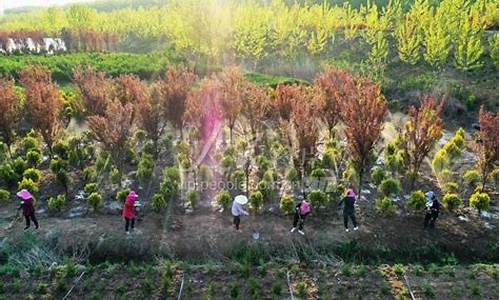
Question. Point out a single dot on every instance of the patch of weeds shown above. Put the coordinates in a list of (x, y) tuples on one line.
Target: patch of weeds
[(2, 287), (295, 270), (475, 289), (428, 290), (433, 269), (385, 288), (121, 288), (360, 270), (418, 269), (234, 290), (276, 288), (61, 285), (255, 289), (398, 269), (146, 286), (340, 290), (449, 270), (16, 285), (41, 288), (301, 288), (345, 269), (244, 270)]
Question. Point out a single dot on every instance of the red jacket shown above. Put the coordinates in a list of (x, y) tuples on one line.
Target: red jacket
[(128, 208)]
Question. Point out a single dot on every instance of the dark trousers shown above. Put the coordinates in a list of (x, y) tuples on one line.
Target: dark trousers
[(33, 218), (236, 222), (430, 219), (298, 219), (129, 222), (347, 215)]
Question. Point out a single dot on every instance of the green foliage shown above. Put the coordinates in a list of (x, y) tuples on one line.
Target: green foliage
[(287, 205), (193, 198), (493, 43), (94, 200), (451, 201), (292, 175), (19, 165), (61, 149), (437, 45), (481, 201), (57, 202), (378, 174), (28, 184), (145, 168), (102, 162), (4, 195), (33, 174), (158, 202), (417, 201), (408, 40), (389, 186), (30, 143), (57, 165), (471, 177), (34, 158), (90, 188), (468, 47), (385, 206), (170, 183), (238, 179), (318, 198), (318, 173), (121, 195), (329, 158), (223, 198), (8, 176), (204, 173), (451, 187), (114, 176), (89, 174), (256, 201), (265, 188)]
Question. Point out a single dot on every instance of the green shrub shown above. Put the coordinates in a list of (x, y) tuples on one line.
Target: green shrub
[(292, 175), (57, 202), (145, 168), (94, 200), (318, 173), (204, 173), (4, 195), (451, 201), (378, 174), (58, 164), (472, 177), (238, 179), (451, 187), (158, 202), (114, 176), (28, 184), (19, 165), (287, 205), (60, 149), (329, 158), (385, 206), (445, 175), (417, 201), (256, 201), (33, 174), (318, 198), (121, 195), (481, 201), (193, 198), (102, 162), (8, 176), (440, 160), (90, 188), (30, 143), (33, 158), (223, 198), (264, 187), (389, 186), (170, 183), (89, 174)]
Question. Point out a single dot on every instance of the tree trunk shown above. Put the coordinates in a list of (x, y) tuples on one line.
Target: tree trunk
[(360, 183)]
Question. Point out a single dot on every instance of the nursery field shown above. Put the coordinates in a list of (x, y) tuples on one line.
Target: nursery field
[(123, 153)]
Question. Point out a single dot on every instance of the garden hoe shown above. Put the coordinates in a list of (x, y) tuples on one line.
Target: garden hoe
[(14, 221)]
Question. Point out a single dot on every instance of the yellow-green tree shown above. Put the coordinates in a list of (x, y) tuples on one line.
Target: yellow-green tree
[(408, 40), (493, 42), (468, 48)]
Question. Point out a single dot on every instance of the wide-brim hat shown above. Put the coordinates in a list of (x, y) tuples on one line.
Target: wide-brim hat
[(24, 194), (133, 195), (241, 199), (351, 193)]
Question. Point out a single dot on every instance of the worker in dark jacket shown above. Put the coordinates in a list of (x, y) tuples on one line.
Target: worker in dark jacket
[(349, 212), (27, 207), (433, 207)]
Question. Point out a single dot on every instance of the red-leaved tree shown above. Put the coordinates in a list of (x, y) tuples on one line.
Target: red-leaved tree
[(175, 88), (9, 111), (330, 83), (151, 115), (94, 88), (486, 147), (43, 102), (233, 90), (422, 131), (113, 130), (363, 111), (282, 108)]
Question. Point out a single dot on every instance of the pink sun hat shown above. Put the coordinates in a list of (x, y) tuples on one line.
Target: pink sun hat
[(351, 193), (24, 194), (133, 195)]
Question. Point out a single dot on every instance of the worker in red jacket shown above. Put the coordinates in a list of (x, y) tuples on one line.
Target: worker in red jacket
[(129, 211)]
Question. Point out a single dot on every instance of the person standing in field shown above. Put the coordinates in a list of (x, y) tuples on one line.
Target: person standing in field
[(27, 205), (433, 207), (237, 210), (349, 212), (129, 211), (302, 209)]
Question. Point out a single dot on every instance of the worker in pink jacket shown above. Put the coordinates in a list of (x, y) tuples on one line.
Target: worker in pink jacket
[(129, 211)]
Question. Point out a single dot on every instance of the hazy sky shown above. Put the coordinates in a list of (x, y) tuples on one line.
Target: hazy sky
[(18, 3)]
